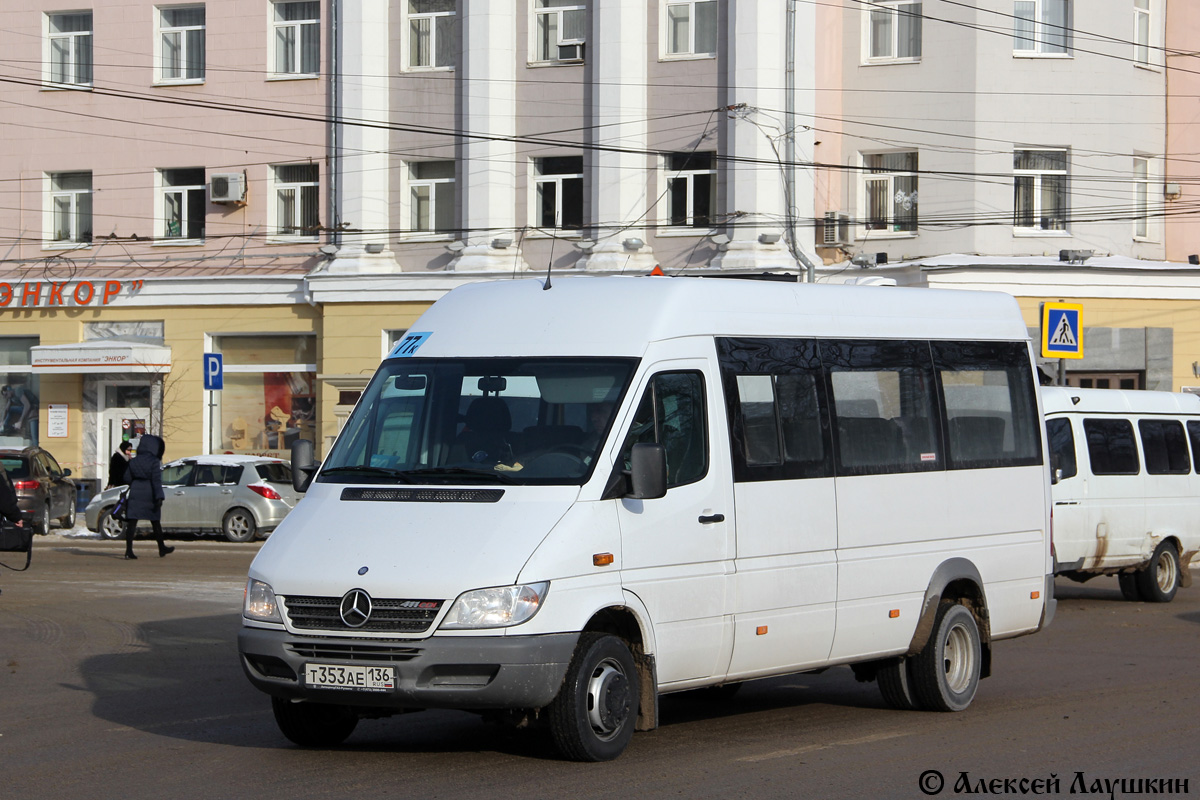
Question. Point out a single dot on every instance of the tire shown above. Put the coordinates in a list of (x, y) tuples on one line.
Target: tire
[(41, 525), (109, 527), (67, 521), (1159, 581), (592, 718), (896, 684), (313, 724), (945, 674), (239, 525), (1129, 586)]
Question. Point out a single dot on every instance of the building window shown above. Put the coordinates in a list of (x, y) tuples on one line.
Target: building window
[(692, 188), (561, 27), (297, 38), (71, 48), (692, 28), (183, 204), (1141, 197), (558, 182), (431, 190), (894, 31), (268, 401), (19, 389), (1042, 27), (181, 44), (297, 199), (1040, 199), (1141, 31), (70, 208), (430, 33), (890, 191)]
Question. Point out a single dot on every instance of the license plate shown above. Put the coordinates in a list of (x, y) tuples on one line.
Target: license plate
[(364, 679)]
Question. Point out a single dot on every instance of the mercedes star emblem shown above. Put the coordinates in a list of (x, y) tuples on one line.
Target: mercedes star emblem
[(355, 608)]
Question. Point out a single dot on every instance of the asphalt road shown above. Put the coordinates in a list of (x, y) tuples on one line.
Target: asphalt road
[(120, 679)]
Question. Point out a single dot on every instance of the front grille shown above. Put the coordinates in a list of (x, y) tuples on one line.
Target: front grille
[(387, 616), (354, 651), (423, 495)]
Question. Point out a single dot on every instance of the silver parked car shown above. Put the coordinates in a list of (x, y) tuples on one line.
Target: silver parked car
[(242, 496)]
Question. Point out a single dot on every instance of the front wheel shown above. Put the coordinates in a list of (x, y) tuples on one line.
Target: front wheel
[(109, 526), (313, 724), (67, 521), (1159, 581), (592, 718), (946, 671), (239, 525)]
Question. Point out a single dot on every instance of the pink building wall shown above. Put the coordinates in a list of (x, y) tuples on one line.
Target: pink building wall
[(1183, 130)]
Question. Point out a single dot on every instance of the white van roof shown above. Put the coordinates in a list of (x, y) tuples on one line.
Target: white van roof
[(1064, 399), (619, 316)]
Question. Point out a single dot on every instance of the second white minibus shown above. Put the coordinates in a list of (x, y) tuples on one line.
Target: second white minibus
[(555, 503)]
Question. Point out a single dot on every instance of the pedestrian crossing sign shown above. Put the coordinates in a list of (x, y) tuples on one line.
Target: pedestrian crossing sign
[(1062, 330)]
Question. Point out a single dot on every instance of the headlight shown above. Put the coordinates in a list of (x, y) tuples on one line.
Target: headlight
[(260, 603), (496, 608)]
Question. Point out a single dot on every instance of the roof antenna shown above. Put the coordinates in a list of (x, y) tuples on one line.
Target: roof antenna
[(549, 263)]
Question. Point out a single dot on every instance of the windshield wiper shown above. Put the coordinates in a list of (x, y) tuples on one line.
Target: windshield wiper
[(460, 471), (387, 472)]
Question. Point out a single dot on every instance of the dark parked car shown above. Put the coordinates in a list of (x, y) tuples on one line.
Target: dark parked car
[(45, 490)]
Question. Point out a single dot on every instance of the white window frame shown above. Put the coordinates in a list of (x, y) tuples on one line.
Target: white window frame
[(888, 178), (893, 9), (432, 18), (73, 40), (1141, 198), (433, 184), (162, 30), (539, 11), (1041, 47), (161, 221), (73, 197), (1142, 33), (537, 181), (668, 177), (665, 28), (276, 189), (1038, 176), (277, 26)]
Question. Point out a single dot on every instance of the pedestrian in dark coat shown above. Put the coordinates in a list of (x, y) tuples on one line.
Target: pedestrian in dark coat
[(8, 501), (118, 465), (144, 476)]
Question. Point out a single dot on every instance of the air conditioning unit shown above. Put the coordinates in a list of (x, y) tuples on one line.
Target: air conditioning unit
[(835, 229), (226, 187), (570, 51)]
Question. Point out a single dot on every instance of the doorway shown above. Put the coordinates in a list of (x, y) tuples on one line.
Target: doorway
[(124, 413)]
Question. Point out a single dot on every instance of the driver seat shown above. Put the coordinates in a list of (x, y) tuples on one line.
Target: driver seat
[(484, 437)]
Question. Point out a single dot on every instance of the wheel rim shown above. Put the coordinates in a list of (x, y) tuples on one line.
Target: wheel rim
[(46, 518), (958, 659), (112, 527), (239, 526), (608, 699), (1165, 574)]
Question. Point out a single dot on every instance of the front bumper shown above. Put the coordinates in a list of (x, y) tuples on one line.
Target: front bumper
[(477, 672)]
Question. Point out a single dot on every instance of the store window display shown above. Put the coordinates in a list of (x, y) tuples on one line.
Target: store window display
[(268, 401)]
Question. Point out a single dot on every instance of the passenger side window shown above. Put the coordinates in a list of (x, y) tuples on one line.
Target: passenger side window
[(671, 413), (231, 475), (1111, 446), (991, 413), (1061, 439), (778, 423), (883, 404), (1164, 446), (178, 475)]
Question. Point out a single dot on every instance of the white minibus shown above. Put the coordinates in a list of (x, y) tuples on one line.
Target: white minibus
[(1126, 472), (555, 503)]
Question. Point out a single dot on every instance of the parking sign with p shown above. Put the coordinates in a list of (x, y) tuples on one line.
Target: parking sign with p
[(214, 378)]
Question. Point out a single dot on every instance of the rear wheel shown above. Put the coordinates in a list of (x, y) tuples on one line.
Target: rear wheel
[(239, 525), (896, 684), (109, 526), (313, 724), (68, 520), (41, 525), (593, 716), (946, 671), (1159, 581)]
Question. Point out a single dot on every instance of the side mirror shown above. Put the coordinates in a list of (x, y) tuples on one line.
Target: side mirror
[(648, 471), (303, 465), (66, 473), (1056, 476)]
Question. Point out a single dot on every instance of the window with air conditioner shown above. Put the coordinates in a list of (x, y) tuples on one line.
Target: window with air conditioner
[(296, 38), (182, 204), (691, 28), (296, 210), (180, 44), (1042, 27), (69, 209), (69, 42), (560, 30), (430, 34)]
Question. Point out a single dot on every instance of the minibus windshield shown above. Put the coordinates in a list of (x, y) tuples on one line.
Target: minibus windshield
[(480, 420)]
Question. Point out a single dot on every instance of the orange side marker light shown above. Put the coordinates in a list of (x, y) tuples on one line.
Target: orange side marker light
[(602, 559), (894, 613)]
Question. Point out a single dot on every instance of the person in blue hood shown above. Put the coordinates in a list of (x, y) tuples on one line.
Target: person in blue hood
[(144, 476)]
